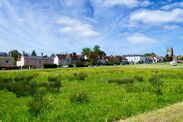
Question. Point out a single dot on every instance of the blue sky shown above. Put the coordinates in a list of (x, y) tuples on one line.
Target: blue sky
[(118, 26)]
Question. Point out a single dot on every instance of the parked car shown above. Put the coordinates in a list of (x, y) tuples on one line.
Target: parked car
[(173, 63), (124, 63)]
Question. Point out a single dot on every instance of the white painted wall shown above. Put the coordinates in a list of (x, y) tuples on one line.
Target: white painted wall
[(37, 62)]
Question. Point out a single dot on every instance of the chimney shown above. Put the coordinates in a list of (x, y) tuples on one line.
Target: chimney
[(23, 53), (41, 54)]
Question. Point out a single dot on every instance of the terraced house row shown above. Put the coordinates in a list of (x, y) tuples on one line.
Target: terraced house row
[(25, 60)]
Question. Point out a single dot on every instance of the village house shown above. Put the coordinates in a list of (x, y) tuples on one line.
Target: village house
[(66, 59), (5, 60), (102, 59), (62, 59), (134, 59), (158, 59), (33, 61)]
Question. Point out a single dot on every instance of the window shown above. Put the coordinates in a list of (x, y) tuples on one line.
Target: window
[(7, 62)]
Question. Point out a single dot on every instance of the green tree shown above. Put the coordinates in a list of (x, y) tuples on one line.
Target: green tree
[(96, 49), (52, 55), (93, 55), (168, 58), (14, 54), (86, 51), (180, 57), (33, 53), (150, 54)]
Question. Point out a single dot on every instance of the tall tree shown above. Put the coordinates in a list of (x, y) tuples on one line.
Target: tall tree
[(96, 49), (86, 51), (150, 54), (14, 54), (33, 53), (52, 55)]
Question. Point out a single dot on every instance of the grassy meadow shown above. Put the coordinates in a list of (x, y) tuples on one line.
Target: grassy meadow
[(88, 94)]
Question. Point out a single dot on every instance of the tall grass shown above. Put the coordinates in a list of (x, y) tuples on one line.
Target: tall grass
[(112, 93)]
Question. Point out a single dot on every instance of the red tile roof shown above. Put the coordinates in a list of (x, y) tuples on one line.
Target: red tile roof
[(61, 56)]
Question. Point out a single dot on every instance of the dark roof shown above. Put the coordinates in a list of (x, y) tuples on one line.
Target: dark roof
[(37, 57), (75, 57), (4, 54)]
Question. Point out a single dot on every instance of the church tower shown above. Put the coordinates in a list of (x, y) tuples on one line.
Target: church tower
[(169, 52)]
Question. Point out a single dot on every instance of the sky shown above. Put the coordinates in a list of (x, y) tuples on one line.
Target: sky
[(65, 26)]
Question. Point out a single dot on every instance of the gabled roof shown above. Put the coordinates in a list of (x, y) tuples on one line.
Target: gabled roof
[(36, 57), (75, 57), (61, 56)]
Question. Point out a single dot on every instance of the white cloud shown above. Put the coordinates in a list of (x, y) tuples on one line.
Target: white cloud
[(157, 16), (128, 3), (170, 27), (145, 3), (76, 27), (173, 5), (140, 39)]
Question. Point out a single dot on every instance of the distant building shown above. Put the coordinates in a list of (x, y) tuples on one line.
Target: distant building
[(5, 60), (33, 61), (169, 52), (135, 58), (66, 59), (158, 59), (62, 59), (3, 54)]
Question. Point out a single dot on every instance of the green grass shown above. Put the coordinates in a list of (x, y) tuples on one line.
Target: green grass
[(172, 113), (91, 94)]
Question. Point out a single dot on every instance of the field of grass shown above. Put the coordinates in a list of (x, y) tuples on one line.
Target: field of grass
[(88, 94), (172, 113)]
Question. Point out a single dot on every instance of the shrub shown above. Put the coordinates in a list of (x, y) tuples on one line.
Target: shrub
[(158, 90), (5, 80), (52, 79), (54, 84), (154, 80), (18, 78), (24, 78), (37, 105), (79, 98), (70, 65), (9, 68), (79, 64), (54, 87), (46, 66), (157, 83), (121, 81), (80, 76), (138, 78), (179, 88), (137, 88)]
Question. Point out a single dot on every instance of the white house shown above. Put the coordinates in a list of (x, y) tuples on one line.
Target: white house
[(158, 59), (62, 59), (66, 59), (34, 61), (135, 58)]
